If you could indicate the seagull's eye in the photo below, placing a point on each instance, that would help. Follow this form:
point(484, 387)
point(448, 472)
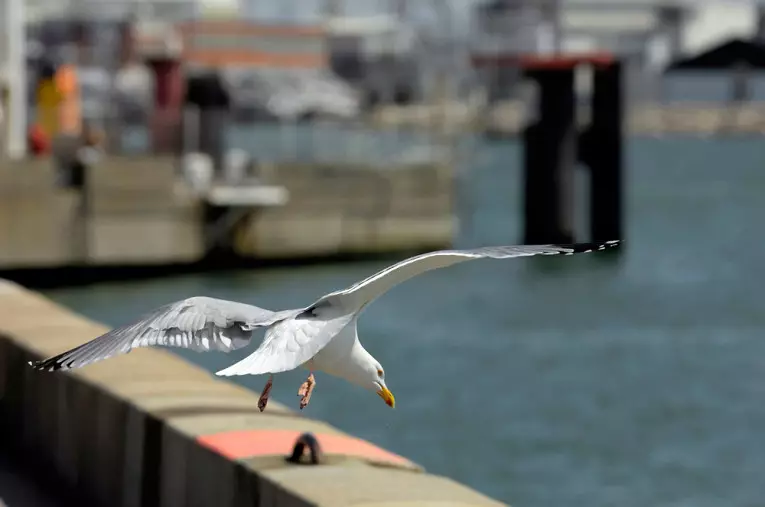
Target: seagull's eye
point(380, 373)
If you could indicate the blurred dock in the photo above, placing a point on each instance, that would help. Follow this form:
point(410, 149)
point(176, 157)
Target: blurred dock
point(141, 211)
point(654, 119)
point(151, 429)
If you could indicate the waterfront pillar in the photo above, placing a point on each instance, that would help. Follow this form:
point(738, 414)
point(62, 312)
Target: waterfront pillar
point(554, 146)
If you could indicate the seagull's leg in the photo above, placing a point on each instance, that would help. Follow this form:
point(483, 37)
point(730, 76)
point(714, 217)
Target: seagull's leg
point(305, 390)
point(263, 400)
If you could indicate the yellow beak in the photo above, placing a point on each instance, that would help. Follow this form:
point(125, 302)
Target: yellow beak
point(387, 396)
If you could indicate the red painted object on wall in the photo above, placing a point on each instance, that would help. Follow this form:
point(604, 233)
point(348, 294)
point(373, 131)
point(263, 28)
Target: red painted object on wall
point(168, 102)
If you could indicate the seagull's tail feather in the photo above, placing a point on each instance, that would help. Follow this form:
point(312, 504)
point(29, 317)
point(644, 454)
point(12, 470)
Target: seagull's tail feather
point(248, 366)
point(259, 362)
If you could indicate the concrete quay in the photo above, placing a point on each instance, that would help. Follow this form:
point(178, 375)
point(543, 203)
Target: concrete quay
point(137, 211)
point(351, 210)
point(508, 118)
point(151, 429)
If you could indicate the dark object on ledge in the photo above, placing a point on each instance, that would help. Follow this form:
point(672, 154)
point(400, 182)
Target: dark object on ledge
point(309, 441)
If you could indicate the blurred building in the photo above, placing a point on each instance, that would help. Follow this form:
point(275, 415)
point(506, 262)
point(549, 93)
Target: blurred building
point(376, 54)
point(647, 34)
point(156, 10)
point(281, 71)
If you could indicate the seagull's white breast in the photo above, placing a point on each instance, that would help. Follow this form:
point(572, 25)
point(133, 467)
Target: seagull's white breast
point(335, 356)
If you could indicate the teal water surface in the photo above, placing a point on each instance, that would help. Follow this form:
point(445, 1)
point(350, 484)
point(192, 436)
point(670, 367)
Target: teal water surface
point(593, 381)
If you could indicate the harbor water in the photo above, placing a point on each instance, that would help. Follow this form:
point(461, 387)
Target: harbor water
point(594, 381)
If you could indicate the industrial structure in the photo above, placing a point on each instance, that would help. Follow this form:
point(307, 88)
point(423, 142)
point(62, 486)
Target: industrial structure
point(335, 57)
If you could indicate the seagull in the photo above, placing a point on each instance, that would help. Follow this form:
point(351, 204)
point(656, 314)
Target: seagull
point(320, 337)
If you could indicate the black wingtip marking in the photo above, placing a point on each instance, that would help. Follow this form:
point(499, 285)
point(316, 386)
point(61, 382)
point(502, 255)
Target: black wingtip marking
point(591, 247)
point(52, 364)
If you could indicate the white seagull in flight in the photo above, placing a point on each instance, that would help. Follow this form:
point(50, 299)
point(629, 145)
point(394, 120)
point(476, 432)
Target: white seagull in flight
point(319, 337)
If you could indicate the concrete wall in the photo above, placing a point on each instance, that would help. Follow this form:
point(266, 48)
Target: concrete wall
point(704, 116)
point(140, 214)
point(349, 209)
point(38, 224)
point(150, 429)
point(132, 213)
point(138, 211)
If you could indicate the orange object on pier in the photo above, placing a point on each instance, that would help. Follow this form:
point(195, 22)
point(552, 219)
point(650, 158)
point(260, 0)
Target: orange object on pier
point(254, 443)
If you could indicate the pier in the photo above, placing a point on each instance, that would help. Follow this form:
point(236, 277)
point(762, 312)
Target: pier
point(506, 119)
point(140, 211)
point(151, 429)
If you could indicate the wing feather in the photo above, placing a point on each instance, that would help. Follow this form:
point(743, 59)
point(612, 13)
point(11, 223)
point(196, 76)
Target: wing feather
point(200, 323)
point(364, 292)
point(292, 342)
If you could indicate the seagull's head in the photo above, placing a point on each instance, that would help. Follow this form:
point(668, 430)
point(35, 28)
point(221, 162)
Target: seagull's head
point(372, 377)
point(365, 371)
point(380, 388)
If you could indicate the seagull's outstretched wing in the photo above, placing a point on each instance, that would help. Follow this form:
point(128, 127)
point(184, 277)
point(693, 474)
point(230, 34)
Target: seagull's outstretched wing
point(364, 292)
point(291, 342)
point(199, 323)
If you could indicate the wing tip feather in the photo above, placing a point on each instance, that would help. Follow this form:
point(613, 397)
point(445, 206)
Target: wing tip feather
point(591, 247)
point(52, 364)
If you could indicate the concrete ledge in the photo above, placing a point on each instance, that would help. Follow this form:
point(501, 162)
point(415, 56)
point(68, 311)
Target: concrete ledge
point(150, 429)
